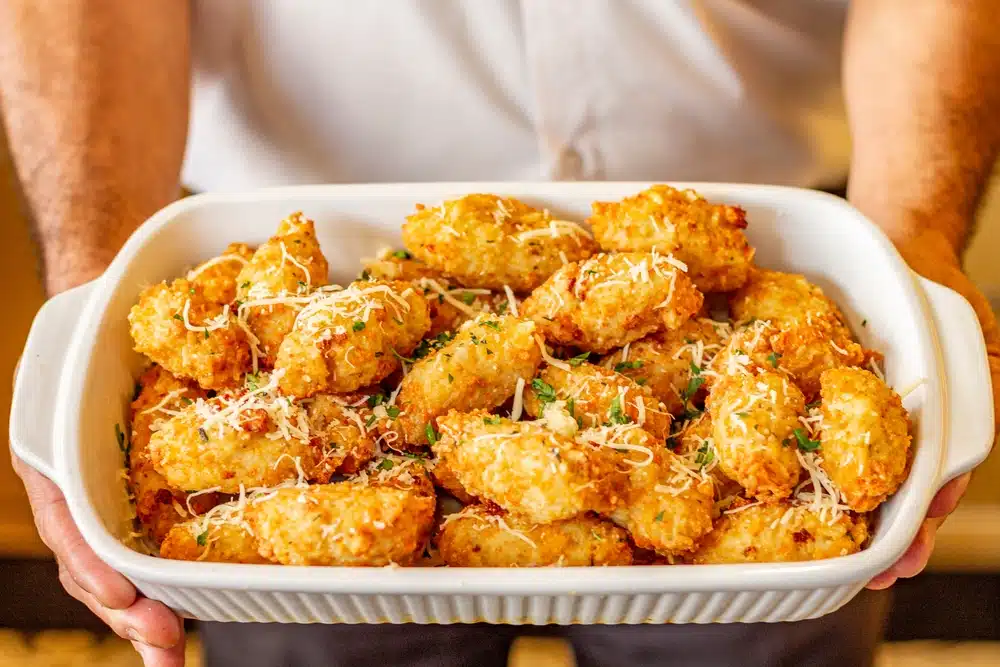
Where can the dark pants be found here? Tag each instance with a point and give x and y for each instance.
(846, 638)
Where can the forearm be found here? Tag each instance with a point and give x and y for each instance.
(95, 100)
(922, 84)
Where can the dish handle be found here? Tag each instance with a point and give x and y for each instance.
(968, 386)
(36, 378)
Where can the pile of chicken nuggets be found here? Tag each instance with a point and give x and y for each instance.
(509, 390)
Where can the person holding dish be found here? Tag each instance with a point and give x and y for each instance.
(111, 107)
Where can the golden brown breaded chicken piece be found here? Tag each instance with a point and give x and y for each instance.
(348, 445)
(527, 469)
(707, 237)
(347, 339)
(216, 543)
(177, 327)
(478, 537)
(217, 276)
(608, 301)
(597, 396)
(486, 241)
(449, 305)
(479, 368)
(865, 437)
(668, 505)
(158, 506)
(281, 274)
(695, 443)
(778, 533)
(444, 478)
(348, 524)
(253, 439)
(753, 421)
(804, 329)
(670, 362)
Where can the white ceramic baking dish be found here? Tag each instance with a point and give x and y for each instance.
(78, 371)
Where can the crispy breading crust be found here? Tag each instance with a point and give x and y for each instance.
(527, 469)
(692, 438)
(599, 395)
(607, 301)
(758, 534)
(226, 543)
(666, 509)
(343, 524)
(294, 271)
(479, 368)
(707, 237)
(444, 478)
(865, 437)
(217, 276)
(753, 419)
(330, 352)
(215, 358)
(348, 445)
(477, 240)
(476, 538)
(663, 361)
(156, 502)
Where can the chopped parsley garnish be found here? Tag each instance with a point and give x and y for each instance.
(246, 284)
(578, 359)
(705, 455)
(402, 254)
(365, 275)
(186, 401)
(191, 290)
(544, 391)
(805, 444)
(741, 415)
(302, 283)
(371, 421)
(625, 365)
(492, 325)
(432, 435)
(773, 359)
(451, 378)
(202, 539)
(392, 411)
(741, 353)
(695, 369)
(253, 381)
(502, 308)
(203, 434)
(429, 344)
(402, 358)
(590, 272)
(640, 381)
(492, 421)
(376, 399)
(468, 298)
(206, 334)
(178, 317)
(358, 326)
(814, 404)
(659, 517)
(864, 323)
(615, 413)
(385, 464)
(690, 413)
(694, 384)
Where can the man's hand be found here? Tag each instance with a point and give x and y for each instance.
(155, 631)
(929, 255)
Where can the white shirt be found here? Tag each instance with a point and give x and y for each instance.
(300, 91)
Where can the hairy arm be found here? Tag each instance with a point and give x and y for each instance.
(922, 82)
(94, 94)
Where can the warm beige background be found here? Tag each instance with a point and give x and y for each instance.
(971, 539)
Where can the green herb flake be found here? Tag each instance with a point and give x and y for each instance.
(402, 254)
(864, 323)
(659, 517)
(502, 308)
(392, 411)
(202, 539)
(805, 444)
(385, 464)
(705, 455)
(432, 435)
(371, 421)
(252, 381)
(468, 298)
(203, 434)
(206, 334)
(376, 399)
(178, 317)
(578, 359)
(492, 325)
(695, 369)
(186, 401)
(492, 421)
(365, 275)
(246, 284)
(814, 404)
(694, 384)
(626, 365)
(615, 413)
(641, 381)
(402, 358)
(451, 378)
(543, 391)
(358, 326)
(773, 359)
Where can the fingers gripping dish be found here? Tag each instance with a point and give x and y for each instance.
(286, 421)
(489, 241)
(611, 300)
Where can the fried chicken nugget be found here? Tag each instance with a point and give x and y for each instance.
(215, 543)
(805, 330)
(597, 396)
(670, 362)
(449, 306)
(477, 537)
(865, 437)
(217, 276)
(479, 368)
(668, 506)
(348, 524)
(177, 327)
(487, 241)
(256, 439)
(753, 421)
(158, 506)
(348, 445)
(609, 301)
(707, 237)
(778, 533)
(444, 478)
(347, 339)
(527, 469)
(695, 442)
(282, 271)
